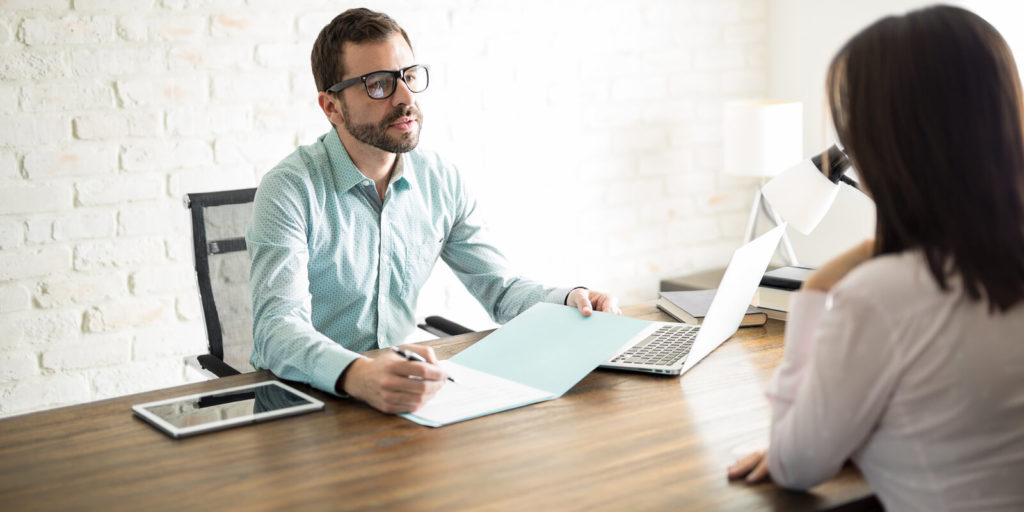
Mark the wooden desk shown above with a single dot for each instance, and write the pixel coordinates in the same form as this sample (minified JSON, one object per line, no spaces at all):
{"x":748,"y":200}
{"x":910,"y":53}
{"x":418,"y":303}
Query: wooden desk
{"x":616,"y":441}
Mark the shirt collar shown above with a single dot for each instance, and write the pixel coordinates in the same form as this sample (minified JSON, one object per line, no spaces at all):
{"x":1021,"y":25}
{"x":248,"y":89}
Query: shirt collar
{"x":398,"y":174}
{"x":346,"y":174}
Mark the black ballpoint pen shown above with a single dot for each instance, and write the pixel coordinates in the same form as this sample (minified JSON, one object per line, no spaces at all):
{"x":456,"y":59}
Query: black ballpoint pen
{"x":413,"y":356}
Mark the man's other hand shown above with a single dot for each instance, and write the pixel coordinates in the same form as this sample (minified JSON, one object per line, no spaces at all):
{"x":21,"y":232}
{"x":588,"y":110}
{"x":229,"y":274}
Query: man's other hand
{"x":588,"y":300}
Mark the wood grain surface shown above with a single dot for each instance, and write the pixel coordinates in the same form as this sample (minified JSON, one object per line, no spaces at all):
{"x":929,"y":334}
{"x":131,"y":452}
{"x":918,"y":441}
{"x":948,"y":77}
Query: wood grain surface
{"x":616,"y":441}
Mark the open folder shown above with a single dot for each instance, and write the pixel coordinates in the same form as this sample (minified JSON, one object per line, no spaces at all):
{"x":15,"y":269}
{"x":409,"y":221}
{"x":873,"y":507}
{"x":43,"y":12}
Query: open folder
{"x":538,"y":356}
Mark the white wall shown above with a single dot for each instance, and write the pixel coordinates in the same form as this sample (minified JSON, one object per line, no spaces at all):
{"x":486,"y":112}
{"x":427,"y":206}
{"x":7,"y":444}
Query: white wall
{"x":804,"y":36}
{"x":590,"y":130}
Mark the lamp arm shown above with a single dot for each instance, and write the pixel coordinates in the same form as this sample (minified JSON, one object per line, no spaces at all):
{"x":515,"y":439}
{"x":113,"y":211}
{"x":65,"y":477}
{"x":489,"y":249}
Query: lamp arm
{"x":849,"y":181}
{"x":838,"y":163}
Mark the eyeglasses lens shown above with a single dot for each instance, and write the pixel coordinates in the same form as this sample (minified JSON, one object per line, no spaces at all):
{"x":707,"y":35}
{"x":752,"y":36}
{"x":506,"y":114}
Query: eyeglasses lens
{"x":380,"y":85}
{"x":416,"y":78}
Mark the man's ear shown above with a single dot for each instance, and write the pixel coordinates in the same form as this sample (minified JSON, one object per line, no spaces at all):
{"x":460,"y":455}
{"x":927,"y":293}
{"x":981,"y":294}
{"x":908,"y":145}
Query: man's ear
{"x":331,"y":107}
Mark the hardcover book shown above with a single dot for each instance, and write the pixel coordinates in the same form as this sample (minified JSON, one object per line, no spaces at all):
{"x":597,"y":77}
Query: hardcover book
{"x":773,"y":301}
{"x":692,"y":305}
{"x":786,"y":278}
{"x":777,"y":287}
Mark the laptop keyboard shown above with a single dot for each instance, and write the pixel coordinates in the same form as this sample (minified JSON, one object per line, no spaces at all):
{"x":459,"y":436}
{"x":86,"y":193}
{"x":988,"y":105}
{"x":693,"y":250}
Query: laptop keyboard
{"x":665,"y":346}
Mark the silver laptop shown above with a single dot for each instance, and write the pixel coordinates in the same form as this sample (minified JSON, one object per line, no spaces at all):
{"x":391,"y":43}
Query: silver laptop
{"x":672,"y":348}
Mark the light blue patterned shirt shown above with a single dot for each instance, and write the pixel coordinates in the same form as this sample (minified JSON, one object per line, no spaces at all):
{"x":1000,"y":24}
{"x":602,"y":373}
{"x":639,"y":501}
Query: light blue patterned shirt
{"x":335,"y":271}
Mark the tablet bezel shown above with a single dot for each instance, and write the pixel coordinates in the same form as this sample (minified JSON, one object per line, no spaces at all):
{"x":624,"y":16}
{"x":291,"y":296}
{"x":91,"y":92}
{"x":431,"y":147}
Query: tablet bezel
{"x":176,"y":432}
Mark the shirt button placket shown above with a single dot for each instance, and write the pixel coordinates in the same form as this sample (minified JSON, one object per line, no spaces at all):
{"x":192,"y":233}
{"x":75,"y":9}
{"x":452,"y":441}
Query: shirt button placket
{"x":383,"y":278}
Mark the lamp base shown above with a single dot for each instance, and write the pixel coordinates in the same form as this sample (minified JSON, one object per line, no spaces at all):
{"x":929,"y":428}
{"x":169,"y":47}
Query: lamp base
{"x":759,"y":206}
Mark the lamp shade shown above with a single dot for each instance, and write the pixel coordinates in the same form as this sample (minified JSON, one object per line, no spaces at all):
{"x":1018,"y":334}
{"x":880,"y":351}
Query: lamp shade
{"x":762,"y":138}
{"x":801,"y":195}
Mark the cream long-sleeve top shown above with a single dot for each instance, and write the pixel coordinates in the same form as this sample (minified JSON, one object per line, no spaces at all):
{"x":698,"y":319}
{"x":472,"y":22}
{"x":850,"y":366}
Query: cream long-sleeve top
{"x":922,"y":388}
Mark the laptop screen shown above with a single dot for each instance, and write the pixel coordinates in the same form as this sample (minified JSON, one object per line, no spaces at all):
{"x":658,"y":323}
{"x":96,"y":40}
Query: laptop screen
{"x":734,"y":293}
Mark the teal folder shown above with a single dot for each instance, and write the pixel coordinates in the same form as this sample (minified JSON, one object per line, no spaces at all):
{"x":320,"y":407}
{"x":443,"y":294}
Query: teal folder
{"x":550,"y":347}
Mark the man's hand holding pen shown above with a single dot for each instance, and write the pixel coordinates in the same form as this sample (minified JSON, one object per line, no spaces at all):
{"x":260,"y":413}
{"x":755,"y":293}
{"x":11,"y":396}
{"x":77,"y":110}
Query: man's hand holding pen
{"x":396,"y":382}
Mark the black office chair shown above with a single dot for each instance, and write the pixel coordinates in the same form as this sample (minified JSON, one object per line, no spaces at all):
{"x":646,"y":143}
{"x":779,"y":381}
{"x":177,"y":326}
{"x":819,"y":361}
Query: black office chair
{"x":219,"y":220}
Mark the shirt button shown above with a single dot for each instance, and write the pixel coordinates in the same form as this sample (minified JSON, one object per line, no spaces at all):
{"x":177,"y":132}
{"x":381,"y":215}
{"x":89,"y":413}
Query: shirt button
{"x":366,"y":183}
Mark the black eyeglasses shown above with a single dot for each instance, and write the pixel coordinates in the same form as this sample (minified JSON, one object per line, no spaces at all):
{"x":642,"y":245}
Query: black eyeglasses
{"x":382,"y":84}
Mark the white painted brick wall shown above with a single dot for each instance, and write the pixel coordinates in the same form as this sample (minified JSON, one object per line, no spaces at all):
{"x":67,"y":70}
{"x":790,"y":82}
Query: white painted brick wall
{"x":15,"y":298}
{"x":30,"y":197}
{"x":83,"y":288}
{"x":119,"y":125}
{"x":590,"y":131}
{"x":86,"y":160}
{"x":88,"y":352}
{"x":115,"y":190}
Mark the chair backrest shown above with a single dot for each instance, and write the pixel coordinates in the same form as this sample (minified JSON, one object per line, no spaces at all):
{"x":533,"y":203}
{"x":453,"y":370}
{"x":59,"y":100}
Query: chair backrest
{"x":219,"y":220}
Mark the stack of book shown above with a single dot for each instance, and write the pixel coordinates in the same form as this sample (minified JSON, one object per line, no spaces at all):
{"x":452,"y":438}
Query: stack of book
{"x":691,"y":307}
{"x":777,"y":287}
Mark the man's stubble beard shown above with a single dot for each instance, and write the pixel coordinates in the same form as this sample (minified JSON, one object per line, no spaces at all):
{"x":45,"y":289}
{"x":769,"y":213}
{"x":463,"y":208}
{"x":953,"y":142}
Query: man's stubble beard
{"x":376,"y":134}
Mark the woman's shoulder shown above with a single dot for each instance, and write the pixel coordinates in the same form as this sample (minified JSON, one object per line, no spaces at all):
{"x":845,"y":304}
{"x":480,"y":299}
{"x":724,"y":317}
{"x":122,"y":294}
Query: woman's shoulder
{"x":890,"y":279}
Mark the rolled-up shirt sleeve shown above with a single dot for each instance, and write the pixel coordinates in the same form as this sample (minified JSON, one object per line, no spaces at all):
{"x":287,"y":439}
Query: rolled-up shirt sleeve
{"x":838,"y":372}
{"x":284,"y":339}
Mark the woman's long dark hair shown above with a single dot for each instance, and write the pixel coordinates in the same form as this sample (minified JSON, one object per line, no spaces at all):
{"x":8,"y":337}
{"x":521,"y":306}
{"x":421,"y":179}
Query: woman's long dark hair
{"x":929,"y":109}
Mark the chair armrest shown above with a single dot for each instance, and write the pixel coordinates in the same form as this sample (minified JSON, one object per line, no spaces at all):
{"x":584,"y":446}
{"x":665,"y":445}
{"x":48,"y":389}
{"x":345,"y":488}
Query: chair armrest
{"x":444,"y":326}
{"x":219,"y":368}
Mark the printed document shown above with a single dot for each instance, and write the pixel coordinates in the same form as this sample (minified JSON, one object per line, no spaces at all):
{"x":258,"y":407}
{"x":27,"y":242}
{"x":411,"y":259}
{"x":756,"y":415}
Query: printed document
{"x":474,"y":394}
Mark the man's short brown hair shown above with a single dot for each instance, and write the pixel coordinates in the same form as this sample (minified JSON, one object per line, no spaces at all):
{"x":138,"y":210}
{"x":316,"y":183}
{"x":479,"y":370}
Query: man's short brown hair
{"x":352,"y":26}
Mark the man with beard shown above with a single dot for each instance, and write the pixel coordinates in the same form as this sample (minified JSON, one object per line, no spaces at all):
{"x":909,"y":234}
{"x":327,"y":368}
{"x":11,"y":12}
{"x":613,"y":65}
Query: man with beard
{"x":346,"y":231}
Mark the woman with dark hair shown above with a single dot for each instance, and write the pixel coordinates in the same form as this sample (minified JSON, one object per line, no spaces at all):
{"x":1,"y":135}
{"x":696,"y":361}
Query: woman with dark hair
{"x":906,"y":353}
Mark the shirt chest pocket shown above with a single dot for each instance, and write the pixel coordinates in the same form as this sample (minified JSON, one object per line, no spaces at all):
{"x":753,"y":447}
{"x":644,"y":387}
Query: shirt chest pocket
{"x":419,"y":262}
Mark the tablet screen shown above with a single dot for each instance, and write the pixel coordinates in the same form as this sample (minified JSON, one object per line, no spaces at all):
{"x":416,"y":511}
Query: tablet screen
{"x":225,"y":408}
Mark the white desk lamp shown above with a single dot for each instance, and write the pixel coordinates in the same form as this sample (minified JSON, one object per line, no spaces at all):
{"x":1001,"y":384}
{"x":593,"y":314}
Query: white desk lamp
{"x":762,"y":139}
{"x":803,"y":194}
